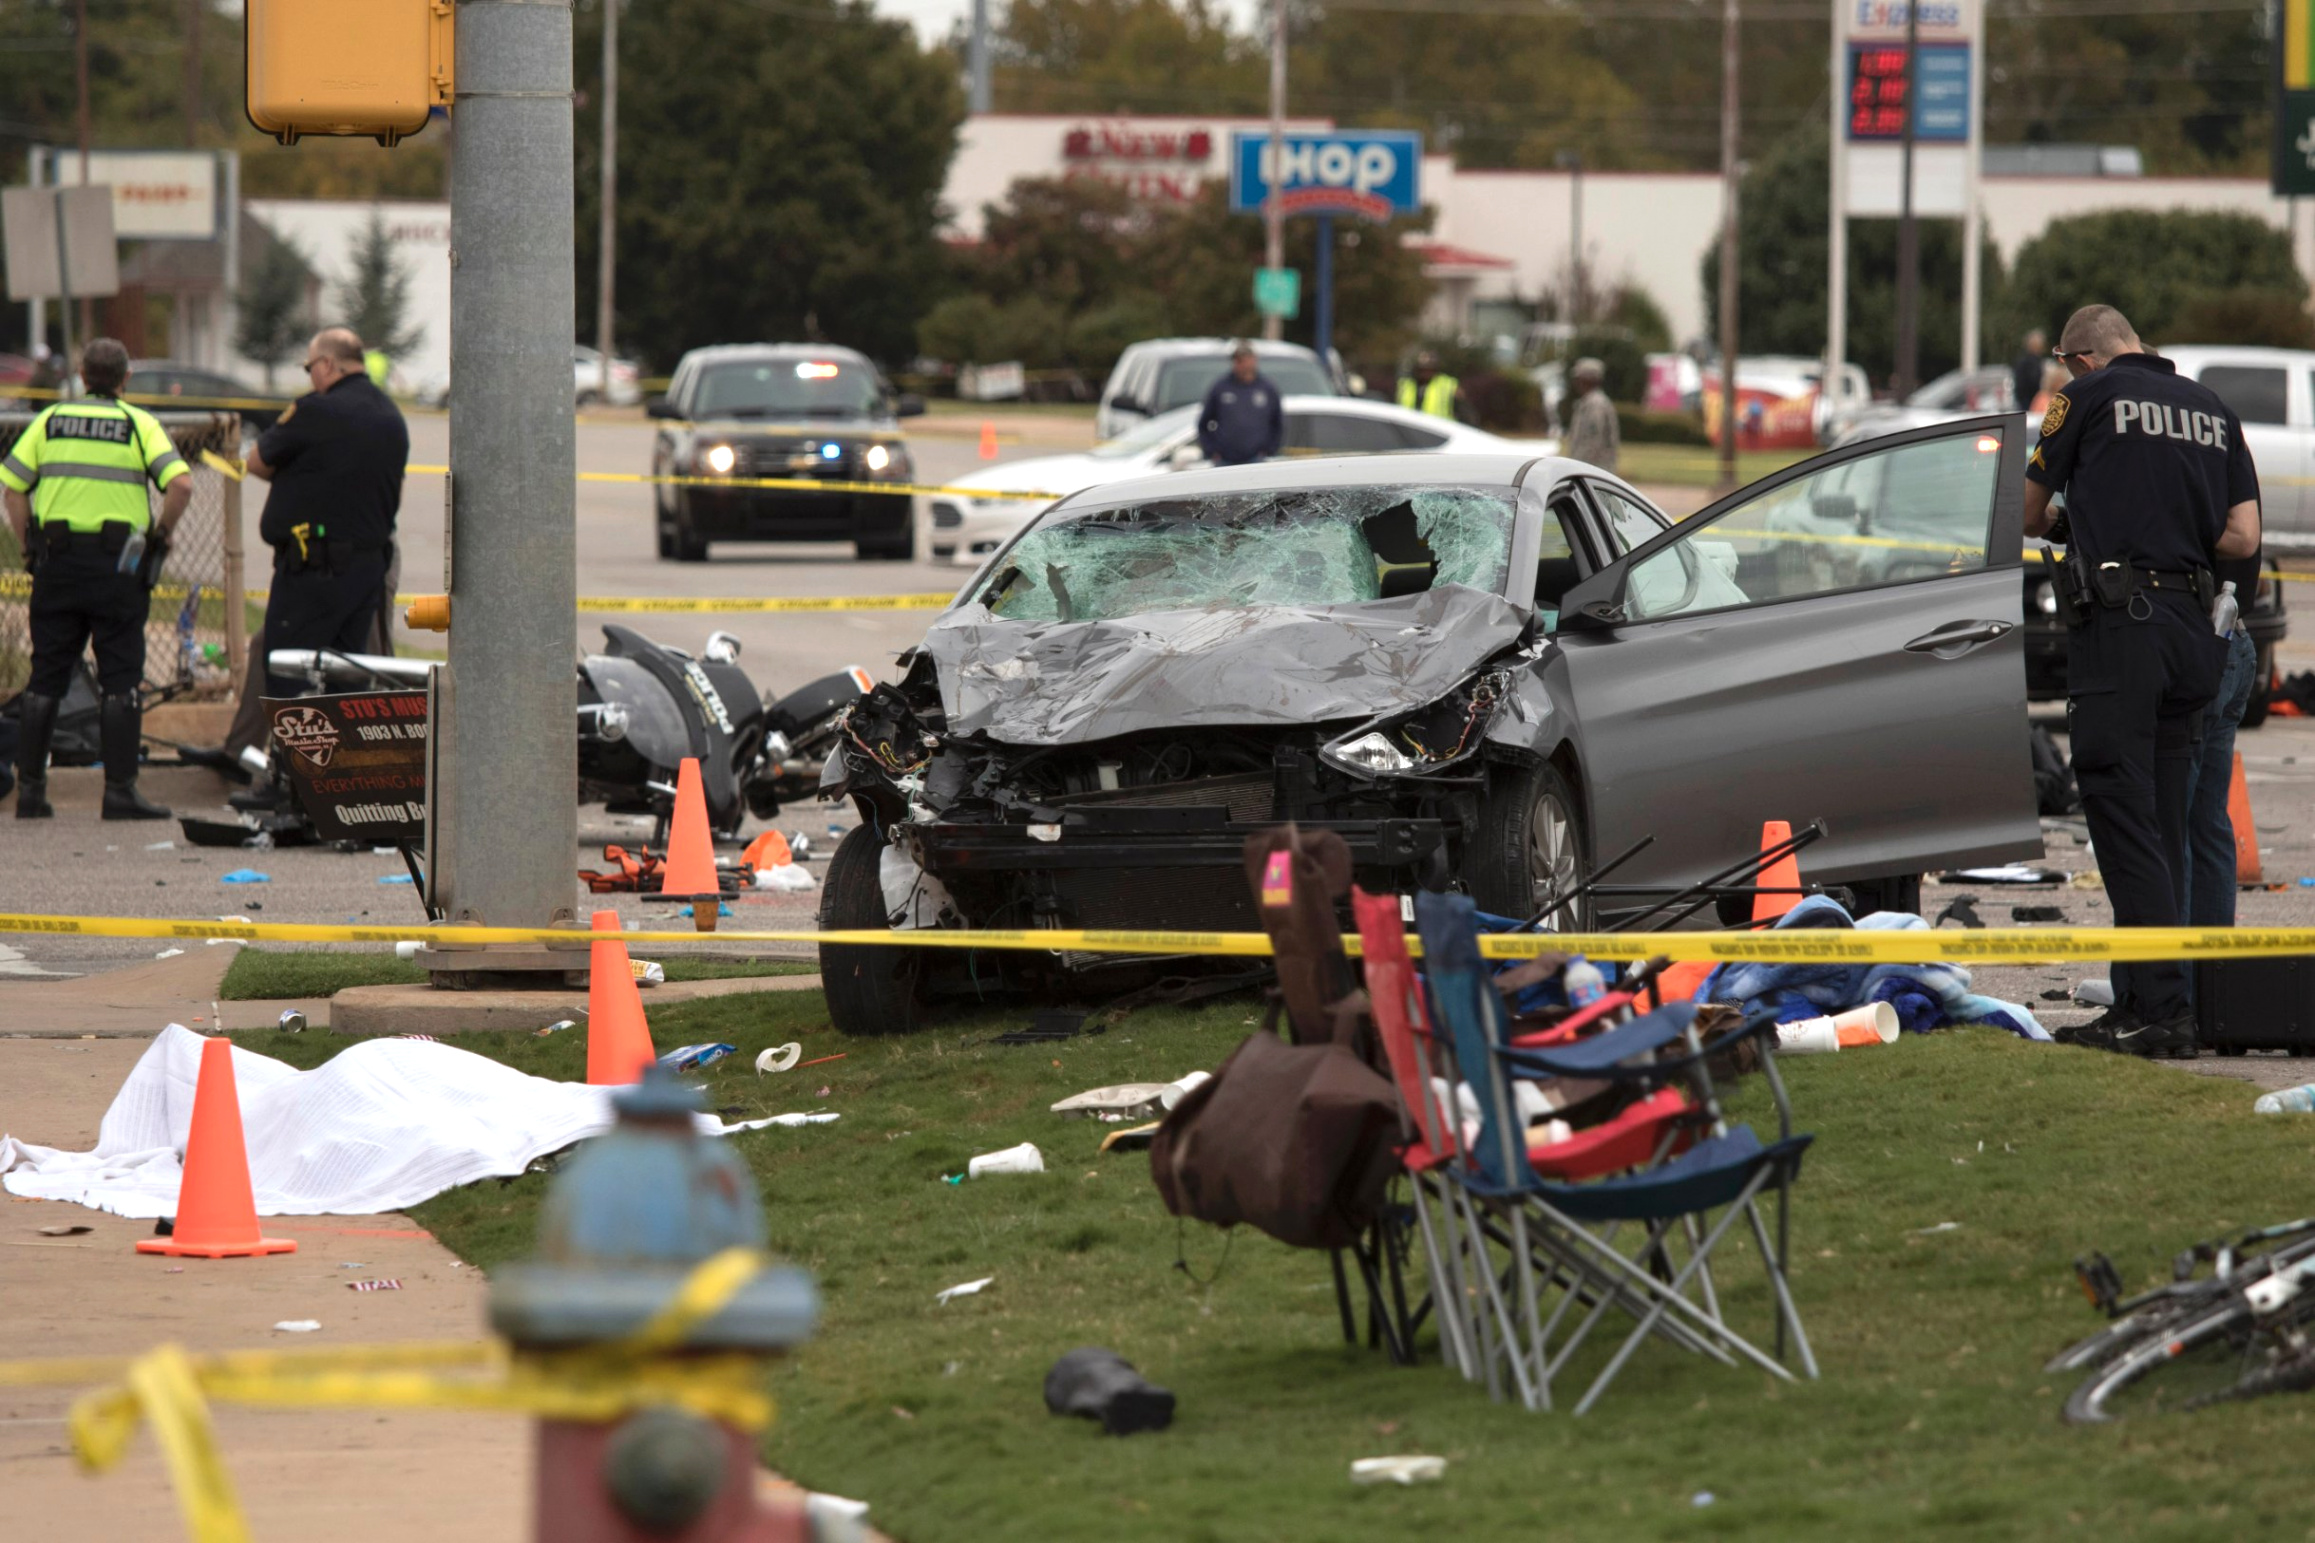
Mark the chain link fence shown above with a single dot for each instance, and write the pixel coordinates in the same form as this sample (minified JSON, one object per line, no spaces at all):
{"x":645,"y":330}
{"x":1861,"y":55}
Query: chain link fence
{"x":197,"y":632}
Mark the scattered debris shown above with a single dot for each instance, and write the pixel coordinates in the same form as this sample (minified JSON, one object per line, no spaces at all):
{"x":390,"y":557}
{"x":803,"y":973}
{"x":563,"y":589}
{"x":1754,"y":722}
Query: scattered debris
{"x":292,"y":1021}
{"x":297,"y":1326}
{"x":1128,"y":1100}
{"x":1397,"y":1470}
{"x":971,"y":1288}
{"x":2009,"y":873}
{"x":555,"y":1027}
{"x":396,"y":878}
{"x":1097,"y":1384}
{"x":373,"y":1285}
{"x":246,"y":876}
{"x":168,"y":953}
{"x":779,"y":1058}
{"x":66,"y":1230}
{"x":1024,"y":1158}
{"x":688,"y":1058}
{"x":2095,"y":993}
{"x":1963,"y":909}
{"x":160,"y":846}
{"x":1702,"y":1498}
{"x":1923,"y":1232}
{"x":2036,"y":913}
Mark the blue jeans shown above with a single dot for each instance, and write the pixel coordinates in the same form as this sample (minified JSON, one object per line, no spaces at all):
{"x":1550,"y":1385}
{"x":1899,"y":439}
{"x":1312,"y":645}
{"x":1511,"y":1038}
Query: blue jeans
{"x":2206,"y":881}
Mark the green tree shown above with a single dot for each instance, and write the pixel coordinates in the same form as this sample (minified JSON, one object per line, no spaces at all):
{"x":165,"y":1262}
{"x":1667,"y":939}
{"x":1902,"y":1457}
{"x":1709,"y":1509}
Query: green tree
{"x":375,"y":297}
{"x":1783,"y":218}
{"x":1153,"y":56}
{"x":2174,"y":272}
{"x":781,"y":166}
{"x":275,"y":315}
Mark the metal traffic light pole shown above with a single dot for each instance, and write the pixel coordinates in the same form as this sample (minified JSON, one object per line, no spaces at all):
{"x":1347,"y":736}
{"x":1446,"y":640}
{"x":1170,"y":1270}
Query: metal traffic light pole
{"x":507,"y":795}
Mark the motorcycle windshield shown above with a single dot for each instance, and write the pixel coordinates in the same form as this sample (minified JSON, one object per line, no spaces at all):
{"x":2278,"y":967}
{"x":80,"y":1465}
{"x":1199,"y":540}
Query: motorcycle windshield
{"x":655,"y":724}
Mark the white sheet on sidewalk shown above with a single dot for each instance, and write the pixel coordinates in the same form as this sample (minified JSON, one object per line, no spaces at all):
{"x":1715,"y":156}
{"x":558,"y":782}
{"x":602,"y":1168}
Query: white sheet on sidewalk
{"x":380,"y":1126}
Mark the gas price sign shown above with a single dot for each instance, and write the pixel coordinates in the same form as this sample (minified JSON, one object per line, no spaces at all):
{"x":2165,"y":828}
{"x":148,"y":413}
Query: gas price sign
{"x":1879,"y":93}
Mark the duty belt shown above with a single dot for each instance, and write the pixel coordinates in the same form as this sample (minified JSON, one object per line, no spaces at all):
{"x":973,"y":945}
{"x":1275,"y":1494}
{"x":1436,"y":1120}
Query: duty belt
{"x":2196,"y":583}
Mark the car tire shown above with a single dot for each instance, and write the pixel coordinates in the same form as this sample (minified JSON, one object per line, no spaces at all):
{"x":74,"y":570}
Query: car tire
{"x":1527,"y":847}
{"x":676,"y":539}
{"x":870,"y":991}
{"x":2255,"y":710}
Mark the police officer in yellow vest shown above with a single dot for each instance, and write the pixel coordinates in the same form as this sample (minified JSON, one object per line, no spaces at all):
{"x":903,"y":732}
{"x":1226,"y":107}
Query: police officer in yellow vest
{"x":75,"y":488}
{"x":1427,"y":390}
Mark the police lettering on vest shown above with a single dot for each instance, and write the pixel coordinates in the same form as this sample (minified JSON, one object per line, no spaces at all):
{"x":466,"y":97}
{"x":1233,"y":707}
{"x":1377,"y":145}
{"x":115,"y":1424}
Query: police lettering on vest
{"x":86,"y":464}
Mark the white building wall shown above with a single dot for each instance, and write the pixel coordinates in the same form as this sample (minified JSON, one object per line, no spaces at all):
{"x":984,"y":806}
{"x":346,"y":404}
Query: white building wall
{"x":325,"y":231}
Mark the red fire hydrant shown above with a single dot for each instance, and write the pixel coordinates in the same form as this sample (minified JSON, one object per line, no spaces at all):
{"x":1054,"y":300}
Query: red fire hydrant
{"x":624,"y":1228}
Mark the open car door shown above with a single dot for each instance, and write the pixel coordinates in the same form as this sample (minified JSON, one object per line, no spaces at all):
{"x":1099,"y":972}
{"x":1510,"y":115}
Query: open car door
{"x":1839,"y":641}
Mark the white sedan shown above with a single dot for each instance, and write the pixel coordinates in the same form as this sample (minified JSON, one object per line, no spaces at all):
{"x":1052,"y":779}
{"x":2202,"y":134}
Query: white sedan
{"x":965,"y":529}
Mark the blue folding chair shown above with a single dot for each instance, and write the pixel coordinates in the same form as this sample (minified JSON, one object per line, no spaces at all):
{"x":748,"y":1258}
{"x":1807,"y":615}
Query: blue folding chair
{"x":1573,"y":1239}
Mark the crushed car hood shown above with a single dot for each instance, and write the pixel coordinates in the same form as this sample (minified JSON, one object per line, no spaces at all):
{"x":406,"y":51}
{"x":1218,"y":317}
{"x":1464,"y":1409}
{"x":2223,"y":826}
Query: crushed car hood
{"x":1063,"y":683}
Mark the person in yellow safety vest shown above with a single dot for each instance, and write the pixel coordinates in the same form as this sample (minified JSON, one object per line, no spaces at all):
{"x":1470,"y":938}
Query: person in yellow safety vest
{"x":377,"y":366}
{"x":1426,"y":390}
{"x":76,"y":493}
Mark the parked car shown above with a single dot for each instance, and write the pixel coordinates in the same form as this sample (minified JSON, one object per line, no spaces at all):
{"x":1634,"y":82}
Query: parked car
{"x":1490,"y":671}
{"x":1955,"y":394}
{"x":164,"y":383}
{"x":1154,"y":377}
{"x":967,"y":529}
{"x":587,"y":375}
{"x":781,"y":411}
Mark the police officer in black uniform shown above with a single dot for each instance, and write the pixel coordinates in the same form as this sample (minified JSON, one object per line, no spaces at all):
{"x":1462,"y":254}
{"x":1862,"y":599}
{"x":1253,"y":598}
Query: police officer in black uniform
{"x":2158,"y":487}
{"x":1242,"y":419}
{"x":336,"y":460}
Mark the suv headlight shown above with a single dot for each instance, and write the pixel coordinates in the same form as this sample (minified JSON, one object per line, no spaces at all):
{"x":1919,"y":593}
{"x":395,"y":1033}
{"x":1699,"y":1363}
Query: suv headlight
{"x":878,"y":457}
{"x":1370,"y":752}
{"x":1426,"y":740}
{"x":719,"y":459}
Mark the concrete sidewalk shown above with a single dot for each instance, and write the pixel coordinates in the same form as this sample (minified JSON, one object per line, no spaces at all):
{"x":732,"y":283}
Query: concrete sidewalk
{"x":352,"y":1475}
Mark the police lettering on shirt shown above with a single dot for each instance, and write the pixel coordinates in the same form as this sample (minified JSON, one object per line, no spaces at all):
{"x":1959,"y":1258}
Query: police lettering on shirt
{"x":116,"y":431}
{"x":2196,"y":428}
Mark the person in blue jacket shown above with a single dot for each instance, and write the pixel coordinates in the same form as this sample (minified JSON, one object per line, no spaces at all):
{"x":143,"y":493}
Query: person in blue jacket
{"x":1242,"y":420}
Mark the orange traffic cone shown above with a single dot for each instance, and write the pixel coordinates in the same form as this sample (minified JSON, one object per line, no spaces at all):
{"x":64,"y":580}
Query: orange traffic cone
{"x":690,"y":867}
{"x":769,"y":850}
{"x":988,"y":440}
{"x":216,"y":1210}
{"x":1784,"y":874}
{"x":2247,"y":869}
{"x":618,"y":1039}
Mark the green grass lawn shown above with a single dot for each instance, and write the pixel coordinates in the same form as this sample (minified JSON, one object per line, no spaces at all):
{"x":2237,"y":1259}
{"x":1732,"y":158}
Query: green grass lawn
{"x":1698,"y":466}
{"x":259,"y":974}
{"x":1932,"y":1420}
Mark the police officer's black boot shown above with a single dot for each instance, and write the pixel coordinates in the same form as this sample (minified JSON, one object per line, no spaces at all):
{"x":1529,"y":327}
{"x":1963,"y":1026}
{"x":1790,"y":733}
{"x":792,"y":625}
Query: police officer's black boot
{"x":35,"y":728}
{"x":120,"y":732}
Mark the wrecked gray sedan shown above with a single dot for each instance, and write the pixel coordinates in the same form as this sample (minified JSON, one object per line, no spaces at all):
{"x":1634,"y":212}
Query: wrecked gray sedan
{"x":1483,"y":672}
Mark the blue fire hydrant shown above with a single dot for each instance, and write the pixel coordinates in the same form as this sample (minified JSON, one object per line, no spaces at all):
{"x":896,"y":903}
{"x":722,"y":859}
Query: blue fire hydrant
{"x":624,"y":1228}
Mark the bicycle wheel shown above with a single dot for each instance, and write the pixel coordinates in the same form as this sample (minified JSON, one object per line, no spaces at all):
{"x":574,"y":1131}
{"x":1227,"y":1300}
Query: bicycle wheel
{"x":2288,"y":1372}
{"x":2197,"y":1358}
{"x":2132,"y":1328}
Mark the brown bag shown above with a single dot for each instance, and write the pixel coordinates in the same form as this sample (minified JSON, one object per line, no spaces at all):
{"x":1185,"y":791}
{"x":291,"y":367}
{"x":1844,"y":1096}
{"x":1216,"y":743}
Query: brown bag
{"x":1295,"y":1140}
{"x":1296,"y":877}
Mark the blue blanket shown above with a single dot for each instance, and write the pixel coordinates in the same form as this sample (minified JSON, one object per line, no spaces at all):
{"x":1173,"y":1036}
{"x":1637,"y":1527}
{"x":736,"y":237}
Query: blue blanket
{"x":1926,"y":996}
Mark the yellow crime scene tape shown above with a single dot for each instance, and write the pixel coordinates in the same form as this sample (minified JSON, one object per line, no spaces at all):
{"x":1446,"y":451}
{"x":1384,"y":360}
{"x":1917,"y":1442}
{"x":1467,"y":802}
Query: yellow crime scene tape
{"x":172,"y":1388}
{"x":2008,"y":945}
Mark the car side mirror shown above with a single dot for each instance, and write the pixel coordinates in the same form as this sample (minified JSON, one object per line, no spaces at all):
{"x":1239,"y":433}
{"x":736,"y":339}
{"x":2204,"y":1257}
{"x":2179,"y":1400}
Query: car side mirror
{"x":1596,"y":604}
{"x":1185,"y":456}
{"x":660,"y":407}
{"x":1122,"y":403}
{"x":910,"y":405}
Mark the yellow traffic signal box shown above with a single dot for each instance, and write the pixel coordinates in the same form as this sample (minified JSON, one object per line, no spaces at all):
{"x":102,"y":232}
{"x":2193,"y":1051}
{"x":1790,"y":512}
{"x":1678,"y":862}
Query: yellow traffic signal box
{"x":357,"y":67}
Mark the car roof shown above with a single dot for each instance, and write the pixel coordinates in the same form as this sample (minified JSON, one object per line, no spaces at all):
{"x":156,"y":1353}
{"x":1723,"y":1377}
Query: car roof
{"x":2249,"y":353}
{"x":716,"y":353}
{"x":1195,"y":346}
{"x":1480,"y":469}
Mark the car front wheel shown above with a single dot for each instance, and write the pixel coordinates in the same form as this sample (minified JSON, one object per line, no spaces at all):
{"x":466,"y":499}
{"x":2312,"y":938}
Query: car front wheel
{"x":1527,"y":849}
{"x":870,"y":990}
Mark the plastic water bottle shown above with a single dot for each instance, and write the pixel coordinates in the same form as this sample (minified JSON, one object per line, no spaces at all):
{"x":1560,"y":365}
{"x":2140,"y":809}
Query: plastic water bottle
{"x":2299,"y":1100}
{"x":1583,"y":982}
{"x":2226,"y":610}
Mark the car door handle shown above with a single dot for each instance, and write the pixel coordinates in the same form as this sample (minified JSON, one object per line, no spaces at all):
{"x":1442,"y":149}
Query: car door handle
{"x":1954,"y":639}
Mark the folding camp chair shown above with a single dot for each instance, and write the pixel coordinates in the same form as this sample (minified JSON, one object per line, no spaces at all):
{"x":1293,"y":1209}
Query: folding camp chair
{"x":1575,"y":1226}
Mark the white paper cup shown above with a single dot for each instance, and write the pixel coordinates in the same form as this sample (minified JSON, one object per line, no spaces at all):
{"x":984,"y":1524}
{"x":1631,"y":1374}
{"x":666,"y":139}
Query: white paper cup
{"x":1810,"y":1036}
{"x":1024,"y":1158}
{"x":1874,"y":1023}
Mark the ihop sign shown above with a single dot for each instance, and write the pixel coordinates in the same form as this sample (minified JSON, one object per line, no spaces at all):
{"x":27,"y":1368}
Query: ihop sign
{"x":1371,"y":173}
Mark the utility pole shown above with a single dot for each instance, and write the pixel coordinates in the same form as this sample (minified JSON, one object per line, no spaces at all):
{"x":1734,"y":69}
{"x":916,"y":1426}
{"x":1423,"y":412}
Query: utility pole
{"x":1730,"y":256}
{"x":507,"y":795}
{"x":1908,"y":228}
{"x":606,"y":241}
{"x":80,"y":69}
{"x":977,"y":61}
{"x":193,"y":73}
{"x":1273,"y":209}
{"x":1572,"y":161}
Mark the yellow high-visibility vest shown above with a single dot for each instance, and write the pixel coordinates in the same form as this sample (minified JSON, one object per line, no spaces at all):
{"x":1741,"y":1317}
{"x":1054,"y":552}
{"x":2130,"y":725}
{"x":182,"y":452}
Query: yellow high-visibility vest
{"x":1438,"y":396}
{"x":86,"y":464}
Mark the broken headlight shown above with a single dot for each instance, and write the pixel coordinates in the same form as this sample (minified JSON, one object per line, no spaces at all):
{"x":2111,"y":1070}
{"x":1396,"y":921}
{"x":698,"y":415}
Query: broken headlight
{"x":1424,"y":740}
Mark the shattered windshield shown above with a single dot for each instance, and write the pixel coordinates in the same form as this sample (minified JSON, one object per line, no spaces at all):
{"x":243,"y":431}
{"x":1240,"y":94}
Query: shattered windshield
{"x":1299,"y":547}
